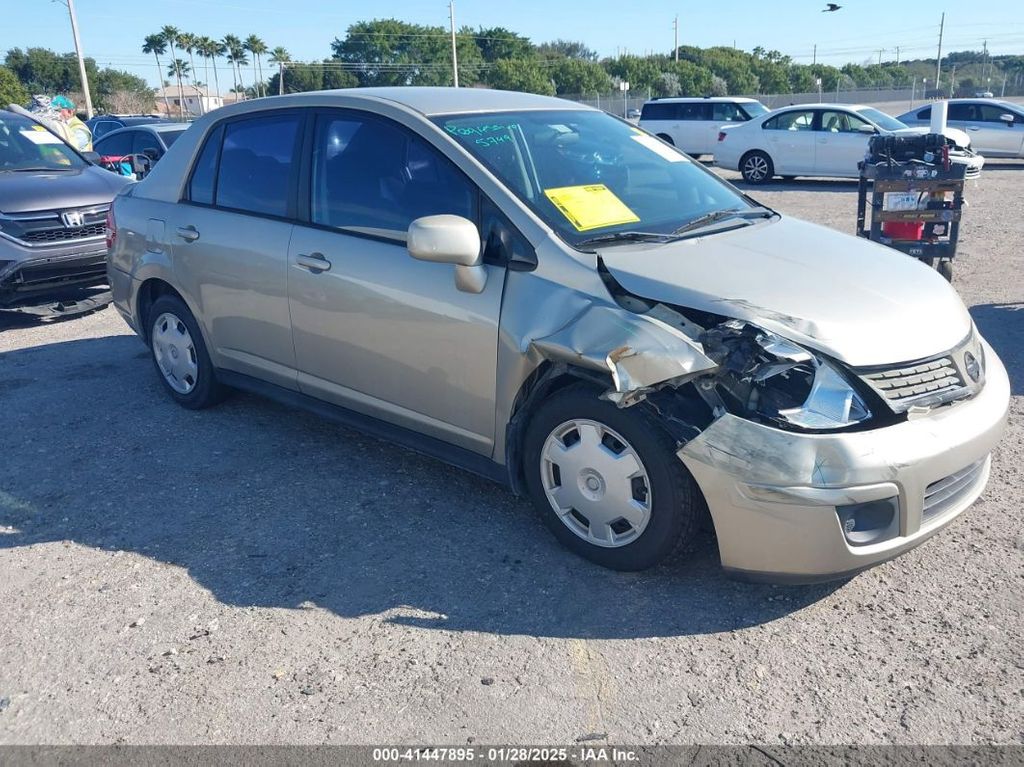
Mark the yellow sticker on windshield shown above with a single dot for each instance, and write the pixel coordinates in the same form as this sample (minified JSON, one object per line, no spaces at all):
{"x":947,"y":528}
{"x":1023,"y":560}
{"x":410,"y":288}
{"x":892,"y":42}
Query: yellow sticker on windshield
{"x":591,"y":206}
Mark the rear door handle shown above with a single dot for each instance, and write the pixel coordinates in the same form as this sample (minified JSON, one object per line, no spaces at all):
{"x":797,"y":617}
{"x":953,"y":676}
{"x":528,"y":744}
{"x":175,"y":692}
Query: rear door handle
{"x":315,"y":262}
{"x":188,"y":233}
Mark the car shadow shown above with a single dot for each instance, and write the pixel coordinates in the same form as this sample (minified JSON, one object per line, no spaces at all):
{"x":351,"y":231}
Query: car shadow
{"x":1003,"y":327}
{"x":267,"y":506}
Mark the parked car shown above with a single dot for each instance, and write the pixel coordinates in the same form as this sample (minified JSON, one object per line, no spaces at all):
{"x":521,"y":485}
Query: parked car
{"x":817,"y":140}
{"x":633,"y":114}
{"x":101,"y":125}
{"x":550,"y":297}
{"x":996,"y":127}
{"x":692,"y":124}
{"x":151,"y":141}
{"x":53,"y":205}
{"x":984,"y":94}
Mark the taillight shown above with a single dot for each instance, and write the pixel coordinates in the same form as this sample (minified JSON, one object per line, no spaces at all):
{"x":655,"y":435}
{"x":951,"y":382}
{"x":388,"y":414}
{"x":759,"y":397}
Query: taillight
{"x":721,"y":135}
{"x":111,"y":230}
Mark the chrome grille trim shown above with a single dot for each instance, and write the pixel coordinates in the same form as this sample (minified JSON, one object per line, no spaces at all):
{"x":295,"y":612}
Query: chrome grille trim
{"x":928,"y":382}
{"x":942,"y":495}
{"x":45,"y":228}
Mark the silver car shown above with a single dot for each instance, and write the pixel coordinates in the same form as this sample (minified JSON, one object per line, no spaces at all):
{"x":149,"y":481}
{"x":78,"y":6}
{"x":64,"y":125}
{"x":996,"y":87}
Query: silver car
{"x":996,"y":128}
{"x":548,"y":296}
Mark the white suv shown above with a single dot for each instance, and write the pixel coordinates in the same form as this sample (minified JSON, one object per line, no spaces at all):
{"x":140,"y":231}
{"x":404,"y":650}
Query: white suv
{"x":692,"y":124}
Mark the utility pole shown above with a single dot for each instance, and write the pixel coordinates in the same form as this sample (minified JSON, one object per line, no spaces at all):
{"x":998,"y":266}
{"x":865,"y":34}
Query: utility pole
{"x":880,"y":52}
{"x":81,"y":59}
{"x":897,"y":55}
{"x":814,"y":58}
{"x":952,"y":82}
{"x":280,"y":78}
{"x":455,"y":56}
{"x":938,"y":59}
{"x":675,"y":26}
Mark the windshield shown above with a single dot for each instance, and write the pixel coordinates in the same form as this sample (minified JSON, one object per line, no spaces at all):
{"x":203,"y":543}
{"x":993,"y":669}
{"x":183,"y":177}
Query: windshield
{"x":881,"y":119}
{"x":586,"y":173}
{"x":170,"y":136}
{"x":754,"y":108}
{"x":26,"y":145}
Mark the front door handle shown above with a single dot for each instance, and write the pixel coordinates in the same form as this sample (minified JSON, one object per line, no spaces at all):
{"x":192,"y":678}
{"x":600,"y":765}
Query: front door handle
{"x":974,"y":127}
{"x":315,"y":262}
{"x":188,"y":233}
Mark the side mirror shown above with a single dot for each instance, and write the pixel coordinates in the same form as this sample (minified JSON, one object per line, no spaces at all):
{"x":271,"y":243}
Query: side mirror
{"x":1007,"y":118}
{"x":93,"y":157}
{"x":447,"y":239}
{"x":869,"y":129}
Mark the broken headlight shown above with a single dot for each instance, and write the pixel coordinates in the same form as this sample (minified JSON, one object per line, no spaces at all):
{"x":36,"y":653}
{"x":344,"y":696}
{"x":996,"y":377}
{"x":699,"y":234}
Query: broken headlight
{"x":764,"y":376}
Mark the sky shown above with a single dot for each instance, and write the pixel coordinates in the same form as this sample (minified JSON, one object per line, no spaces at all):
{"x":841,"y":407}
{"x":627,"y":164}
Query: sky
{"x":112,"y":30}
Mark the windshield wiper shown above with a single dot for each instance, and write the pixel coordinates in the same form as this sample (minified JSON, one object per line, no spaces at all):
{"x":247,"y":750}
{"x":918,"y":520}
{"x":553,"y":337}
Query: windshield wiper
{"x":35,"y":170}
{"x":720,"y":215}
{"x":631,"y":236}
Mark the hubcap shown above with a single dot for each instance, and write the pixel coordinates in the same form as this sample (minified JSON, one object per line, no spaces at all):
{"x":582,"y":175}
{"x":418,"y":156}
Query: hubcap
{"x":175,"y":353}
{"x":596,"y":483}
{"x":756,"y":168}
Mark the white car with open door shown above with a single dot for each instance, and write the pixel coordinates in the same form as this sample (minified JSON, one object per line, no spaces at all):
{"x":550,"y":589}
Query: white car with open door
{"x":816,"y":140}
{"x":996,"y":127}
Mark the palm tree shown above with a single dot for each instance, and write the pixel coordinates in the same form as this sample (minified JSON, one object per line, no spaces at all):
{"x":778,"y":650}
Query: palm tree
{"x":257,"y":47}
{"x":235,"y":54}
{"x":179,"y":69}
{"x":210,"y":49}
{"x":155,"y":44}
{"x":187,"y":42}
{"x":170,"y":35}
{"x":280,"y":56}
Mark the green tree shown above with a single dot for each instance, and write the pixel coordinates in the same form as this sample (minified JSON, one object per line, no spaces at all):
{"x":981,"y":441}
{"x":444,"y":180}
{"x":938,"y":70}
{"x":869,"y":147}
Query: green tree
{"x":500,"y":43}
{"x":234,"y":52}
{"x":566,"y":49}
{"x":156,"y":45}
{"x":257,"y":48}
{"x":299,"y":78}
{"x":188,"y":43}
{"x":520,"y":75}
{"x":694,"y":79}
{"x":170,"y":35}
{"x":580,"y":76}
{"x":11,"y":89}
{"x":642,"y":73}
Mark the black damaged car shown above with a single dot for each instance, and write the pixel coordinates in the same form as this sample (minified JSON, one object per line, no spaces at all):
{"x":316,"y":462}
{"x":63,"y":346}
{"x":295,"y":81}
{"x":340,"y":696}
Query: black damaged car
{"x":53,"y":208}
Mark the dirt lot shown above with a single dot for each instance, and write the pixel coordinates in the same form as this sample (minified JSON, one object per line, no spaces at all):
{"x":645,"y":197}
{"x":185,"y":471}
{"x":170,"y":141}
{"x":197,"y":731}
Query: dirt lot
{"x":252,"y":574}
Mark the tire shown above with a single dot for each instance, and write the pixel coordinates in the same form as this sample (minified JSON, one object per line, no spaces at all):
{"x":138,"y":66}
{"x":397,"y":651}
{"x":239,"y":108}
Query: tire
{"x":666,"y":138}
{"x":179,"y":355}
{"x":626,"y":454}
{"x":945,"y":268}
{"x":757,"y":167}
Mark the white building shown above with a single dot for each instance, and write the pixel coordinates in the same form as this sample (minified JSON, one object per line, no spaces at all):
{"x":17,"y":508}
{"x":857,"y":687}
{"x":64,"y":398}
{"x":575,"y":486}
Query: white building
{"x":198,"y":101}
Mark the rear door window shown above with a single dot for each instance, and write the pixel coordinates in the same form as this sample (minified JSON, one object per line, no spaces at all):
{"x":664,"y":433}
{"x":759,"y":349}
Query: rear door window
{"x":117,"y":145}
{"x":692,"y":111}
{"x":726,"y":113}
{"x":256,"y":162}
{"x":961,"y":112}
{"x":796,"y":120}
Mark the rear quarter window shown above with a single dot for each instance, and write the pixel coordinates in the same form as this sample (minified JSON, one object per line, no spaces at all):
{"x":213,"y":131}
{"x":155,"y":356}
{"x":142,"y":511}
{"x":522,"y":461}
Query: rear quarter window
{"x":204,"y":174}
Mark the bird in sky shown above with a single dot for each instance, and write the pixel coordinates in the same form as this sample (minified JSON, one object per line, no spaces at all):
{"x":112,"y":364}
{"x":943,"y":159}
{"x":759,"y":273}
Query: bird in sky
{"x":831,"y":8}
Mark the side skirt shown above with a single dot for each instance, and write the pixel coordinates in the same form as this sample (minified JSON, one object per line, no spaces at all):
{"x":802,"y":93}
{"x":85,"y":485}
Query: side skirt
{"x":374,"y":427}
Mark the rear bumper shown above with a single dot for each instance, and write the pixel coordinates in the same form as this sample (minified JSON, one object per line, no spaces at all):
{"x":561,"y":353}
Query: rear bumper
{"x":774,"y":495}
{"x":37,"y":275}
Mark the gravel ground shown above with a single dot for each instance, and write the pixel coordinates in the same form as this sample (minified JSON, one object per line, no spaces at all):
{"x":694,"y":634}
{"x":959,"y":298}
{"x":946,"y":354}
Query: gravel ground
{"x":252,"y":574}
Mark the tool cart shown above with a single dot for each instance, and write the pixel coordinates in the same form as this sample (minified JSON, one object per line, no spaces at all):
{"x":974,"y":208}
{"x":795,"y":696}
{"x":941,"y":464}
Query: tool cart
{"x":911,"y":198}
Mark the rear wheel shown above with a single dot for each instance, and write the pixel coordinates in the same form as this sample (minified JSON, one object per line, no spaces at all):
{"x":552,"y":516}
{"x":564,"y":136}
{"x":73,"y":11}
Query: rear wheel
{"x":666,"y":138}
{"x":180,"y":355}
{"x":757,"y":167}
{"x":607,"y":481}
{"x":945,"y":268}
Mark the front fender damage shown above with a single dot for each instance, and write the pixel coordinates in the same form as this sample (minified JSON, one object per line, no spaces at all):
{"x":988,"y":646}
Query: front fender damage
{"x":641,"y":352}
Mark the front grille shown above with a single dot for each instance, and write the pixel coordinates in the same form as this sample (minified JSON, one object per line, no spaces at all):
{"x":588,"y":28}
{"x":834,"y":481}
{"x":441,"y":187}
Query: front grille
{"x":941,"y":496}
{"x":911,"y":382}
{"x":39,"y":229}
{"x":60,"y":235}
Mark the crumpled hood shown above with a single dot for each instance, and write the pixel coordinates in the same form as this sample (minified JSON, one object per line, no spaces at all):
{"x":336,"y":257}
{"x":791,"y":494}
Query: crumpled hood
{"x":855,"y":300}
{"x":50,"y":190}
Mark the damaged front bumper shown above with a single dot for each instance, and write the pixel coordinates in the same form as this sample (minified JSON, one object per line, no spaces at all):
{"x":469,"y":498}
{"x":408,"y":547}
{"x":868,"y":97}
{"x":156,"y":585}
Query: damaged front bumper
{"x":785,"y":504}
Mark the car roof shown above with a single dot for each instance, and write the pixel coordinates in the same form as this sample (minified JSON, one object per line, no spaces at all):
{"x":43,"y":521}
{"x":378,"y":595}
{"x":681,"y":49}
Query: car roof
{"x":163,"y":126}
{"x":166,"y":126}
{"x":692,"y":99}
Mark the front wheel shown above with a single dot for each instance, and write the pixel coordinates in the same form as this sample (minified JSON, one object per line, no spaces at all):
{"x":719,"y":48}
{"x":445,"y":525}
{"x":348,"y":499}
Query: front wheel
{"x":757,"y":167}
{"x":607,"y":481}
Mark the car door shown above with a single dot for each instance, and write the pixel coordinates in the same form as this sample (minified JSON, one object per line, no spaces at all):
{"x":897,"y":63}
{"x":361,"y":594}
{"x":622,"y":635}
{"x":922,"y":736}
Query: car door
{"x":841,"y":142}
{"x":230,"y":241}
{"x":1004,"y":138}
{"x":791,"y":142}
{"x":375,"y":330}
{"x":722,"y":113}
{"x":693,"y":124}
